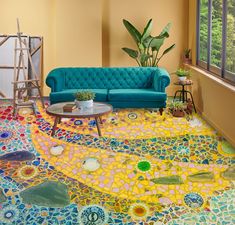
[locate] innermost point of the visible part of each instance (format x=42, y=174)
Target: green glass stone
x=203, y=176
x=2, y=196
x=174, y=179
x=229, y=174
x=227, y=147
x=49, y=193
x=144, y=166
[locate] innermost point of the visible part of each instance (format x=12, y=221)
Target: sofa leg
x=161, y=111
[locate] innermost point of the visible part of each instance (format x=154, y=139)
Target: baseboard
x=215, y=126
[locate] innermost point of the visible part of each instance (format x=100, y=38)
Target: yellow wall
x=71, y=29
x=78, y=33
x=91, y=33
x=214, y=98
x=138, y=12
x=36, y=18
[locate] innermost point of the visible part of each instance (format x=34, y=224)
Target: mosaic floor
x=147, y=169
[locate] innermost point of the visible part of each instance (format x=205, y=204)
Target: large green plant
x=148, y=47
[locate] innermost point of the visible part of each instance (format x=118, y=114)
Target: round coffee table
x=98, y=110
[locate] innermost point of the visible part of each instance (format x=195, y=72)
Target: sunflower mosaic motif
x=93, y=215
x=9, y=214
x=193, y=200
x=183, y=150
x=27, y=172
x=25, y=111
x=139, y=211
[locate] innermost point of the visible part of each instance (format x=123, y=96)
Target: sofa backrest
x=108, y=78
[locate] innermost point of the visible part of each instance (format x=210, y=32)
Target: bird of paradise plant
x=148, y=47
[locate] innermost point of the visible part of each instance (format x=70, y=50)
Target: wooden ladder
x=25, y=86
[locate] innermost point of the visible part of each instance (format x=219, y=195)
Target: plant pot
x=182, y=79
x=84, y=104
x=178, y=113
x=187, y=60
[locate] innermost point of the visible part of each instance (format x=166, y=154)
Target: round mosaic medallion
x=6, y=135
x=139, y=211
x=78, y=122
x=27, y=172
x=29, y=119
x=9, y=214
x=93, y=215
x=183, y=150
x=25, y=111
x=91, y=164
x=144, y=166
x=132, y=116
x=193, y=200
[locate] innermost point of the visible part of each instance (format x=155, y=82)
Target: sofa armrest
x=55, y=80
x=161, y=80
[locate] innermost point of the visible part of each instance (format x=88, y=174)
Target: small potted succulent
x=84, y=99
x=182, y=74
x=177, y=108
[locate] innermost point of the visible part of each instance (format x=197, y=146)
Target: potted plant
x=148, y=47
x=182, y=74
x=177, y=108
x=84, y=99
x=187, y=55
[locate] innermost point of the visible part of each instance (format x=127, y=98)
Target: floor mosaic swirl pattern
x=146, y=169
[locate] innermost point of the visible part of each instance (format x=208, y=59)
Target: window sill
x=212, y=77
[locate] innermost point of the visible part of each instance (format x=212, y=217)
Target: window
x=216, y=37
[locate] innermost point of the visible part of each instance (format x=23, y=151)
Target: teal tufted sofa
x=129, y=87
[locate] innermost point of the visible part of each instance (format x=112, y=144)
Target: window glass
x=216, y=33
x=203, y=30
x=217, y=45
x=230, y=44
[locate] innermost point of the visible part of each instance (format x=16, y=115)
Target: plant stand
x=183, y=93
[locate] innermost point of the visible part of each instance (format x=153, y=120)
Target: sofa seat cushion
x=136, y=95
x=68, y=95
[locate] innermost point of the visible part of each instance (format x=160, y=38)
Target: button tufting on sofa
x=121, y=87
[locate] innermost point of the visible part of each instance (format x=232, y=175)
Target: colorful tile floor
x=147, y=169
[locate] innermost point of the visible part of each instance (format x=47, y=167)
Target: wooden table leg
x=59, y=121
x=55, y=125
x=100, y=119
x=98, y=126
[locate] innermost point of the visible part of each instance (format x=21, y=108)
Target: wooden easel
x=1, y=94
x=22, y=87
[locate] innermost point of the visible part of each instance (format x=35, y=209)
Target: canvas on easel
x=7, y=52
x=24, y=85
